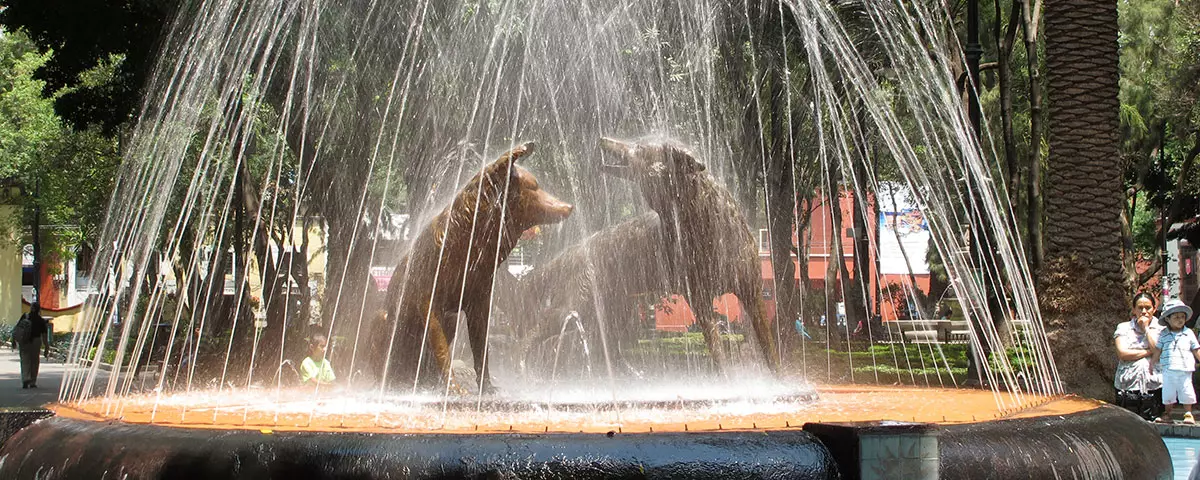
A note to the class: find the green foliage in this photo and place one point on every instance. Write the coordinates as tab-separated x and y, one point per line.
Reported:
107	357
904	363
937	267
6	333
886	369
1145	225
1143	40
681	344
28	126
1160	81
68	174
911	355
120	37
1020	357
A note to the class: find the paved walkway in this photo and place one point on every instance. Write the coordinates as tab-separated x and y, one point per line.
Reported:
12	395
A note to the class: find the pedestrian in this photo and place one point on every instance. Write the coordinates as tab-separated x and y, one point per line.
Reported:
1138	382
944	311
1177	350
31	335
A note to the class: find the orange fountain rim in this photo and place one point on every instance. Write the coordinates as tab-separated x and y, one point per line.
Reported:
834	403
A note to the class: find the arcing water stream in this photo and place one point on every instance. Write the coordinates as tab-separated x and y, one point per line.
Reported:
288	150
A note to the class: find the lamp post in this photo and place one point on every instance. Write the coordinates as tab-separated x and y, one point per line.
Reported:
37	242
973	51
981	240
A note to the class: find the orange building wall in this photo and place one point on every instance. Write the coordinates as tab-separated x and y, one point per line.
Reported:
674	313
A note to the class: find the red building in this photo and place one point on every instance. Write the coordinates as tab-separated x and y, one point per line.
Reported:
673	314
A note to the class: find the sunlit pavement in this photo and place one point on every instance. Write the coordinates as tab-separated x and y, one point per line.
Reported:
12	395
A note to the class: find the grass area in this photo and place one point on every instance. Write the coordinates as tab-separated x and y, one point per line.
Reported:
688	343
885	369
913	354
911	364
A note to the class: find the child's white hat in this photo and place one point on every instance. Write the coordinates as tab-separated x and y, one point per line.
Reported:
1174	305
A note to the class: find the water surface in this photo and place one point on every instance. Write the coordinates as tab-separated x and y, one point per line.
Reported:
1183	455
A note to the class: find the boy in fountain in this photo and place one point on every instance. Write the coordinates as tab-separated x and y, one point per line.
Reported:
1177	350
316	369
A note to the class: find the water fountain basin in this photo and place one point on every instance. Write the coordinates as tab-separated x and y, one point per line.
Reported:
807	439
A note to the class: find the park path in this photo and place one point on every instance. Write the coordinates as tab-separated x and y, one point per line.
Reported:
12	395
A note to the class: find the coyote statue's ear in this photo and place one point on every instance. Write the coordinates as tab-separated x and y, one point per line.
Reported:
503	165
682	160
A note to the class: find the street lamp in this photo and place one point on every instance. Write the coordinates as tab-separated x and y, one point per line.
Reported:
981	240
973	51
37	243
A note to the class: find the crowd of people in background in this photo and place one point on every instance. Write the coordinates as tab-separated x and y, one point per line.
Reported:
1156	357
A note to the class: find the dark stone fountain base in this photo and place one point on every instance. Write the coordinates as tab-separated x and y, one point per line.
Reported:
77	449
1105	442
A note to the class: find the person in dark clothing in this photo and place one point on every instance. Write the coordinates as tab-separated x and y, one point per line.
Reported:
37	339
944	312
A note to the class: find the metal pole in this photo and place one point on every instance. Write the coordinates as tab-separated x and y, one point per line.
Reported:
980	244
973	51
37	241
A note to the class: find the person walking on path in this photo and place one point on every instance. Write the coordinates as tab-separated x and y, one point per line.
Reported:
31	335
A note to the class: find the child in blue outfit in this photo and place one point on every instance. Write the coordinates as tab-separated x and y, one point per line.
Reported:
1177	350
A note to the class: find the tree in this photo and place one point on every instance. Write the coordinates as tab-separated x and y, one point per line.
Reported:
769	124
29	125
84	35
1005	40
1031	15
1081	293
1145	36
1160	66
64	173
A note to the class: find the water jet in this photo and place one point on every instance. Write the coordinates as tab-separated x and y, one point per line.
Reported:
333	134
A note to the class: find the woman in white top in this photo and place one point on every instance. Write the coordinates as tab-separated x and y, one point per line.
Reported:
1138	382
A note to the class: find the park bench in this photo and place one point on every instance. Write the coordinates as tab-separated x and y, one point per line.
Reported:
959	332
919	331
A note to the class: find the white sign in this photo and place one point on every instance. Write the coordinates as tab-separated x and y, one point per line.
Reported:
902	224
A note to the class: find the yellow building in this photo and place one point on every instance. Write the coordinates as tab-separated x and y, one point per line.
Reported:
316	261
10	252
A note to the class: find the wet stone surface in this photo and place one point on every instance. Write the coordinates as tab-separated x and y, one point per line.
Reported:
13	419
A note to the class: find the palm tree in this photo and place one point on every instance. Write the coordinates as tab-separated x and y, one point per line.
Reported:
1081	293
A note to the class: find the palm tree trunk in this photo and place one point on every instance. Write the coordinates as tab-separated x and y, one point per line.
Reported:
1081	292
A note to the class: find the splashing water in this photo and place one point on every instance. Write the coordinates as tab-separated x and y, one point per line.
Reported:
288	152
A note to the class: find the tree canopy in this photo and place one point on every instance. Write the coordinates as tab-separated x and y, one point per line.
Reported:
120	35
67	173
74	73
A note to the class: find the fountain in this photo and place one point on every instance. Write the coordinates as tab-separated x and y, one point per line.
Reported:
279	135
